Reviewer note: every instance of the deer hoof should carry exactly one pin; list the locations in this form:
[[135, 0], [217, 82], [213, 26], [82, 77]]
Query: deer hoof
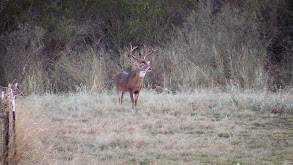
[[135, 110]]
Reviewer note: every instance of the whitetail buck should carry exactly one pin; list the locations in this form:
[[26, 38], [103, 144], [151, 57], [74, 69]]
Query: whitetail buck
[[133, 82]]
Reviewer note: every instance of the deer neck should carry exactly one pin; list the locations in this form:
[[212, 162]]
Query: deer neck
[[138, 75]]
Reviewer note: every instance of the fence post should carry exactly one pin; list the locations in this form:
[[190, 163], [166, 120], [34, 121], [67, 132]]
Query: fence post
[[11, 118], [4, 136], [7, 126]]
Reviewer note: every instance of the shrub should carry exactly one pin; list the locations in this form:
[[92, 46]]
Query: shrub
[[22, 61], [220, 48], [77, 70]]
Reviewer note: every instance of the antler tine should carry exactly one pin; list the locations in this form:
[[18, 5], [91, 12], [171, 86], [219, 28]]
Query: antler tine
[[145, 49], [131, 50], [147, 53]]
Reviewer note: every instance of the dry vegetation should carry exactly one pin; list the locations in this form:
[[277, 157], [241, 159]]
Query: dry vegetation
[[200, 127], [65, 55], [217, 44]]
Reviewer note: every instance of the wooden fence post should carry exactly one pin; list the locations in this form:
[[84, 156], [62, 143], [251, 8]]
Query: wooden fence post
[[11, 118], [12, 146], [7, 126], [2, 96], [4, 136]]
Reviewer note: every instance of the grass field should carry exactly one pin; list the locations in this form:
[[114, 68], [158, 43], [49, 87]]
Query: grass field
[[200, 127]]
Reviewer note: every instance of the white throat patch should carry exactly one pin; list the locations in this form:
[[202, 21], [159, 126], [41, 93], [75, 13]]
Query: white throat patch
[[142, 73]]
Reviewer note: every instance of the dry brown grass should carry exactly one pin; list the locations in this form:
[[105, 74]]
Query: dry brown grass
[[201, 127]]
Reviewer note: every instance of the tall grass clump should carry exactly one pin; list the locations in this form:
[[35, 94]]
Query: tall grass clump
[[218, 46], [91, 69], [24, 61]]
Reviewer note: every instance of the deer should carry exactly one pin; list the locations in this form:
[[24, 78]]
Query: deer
[[133, 82]]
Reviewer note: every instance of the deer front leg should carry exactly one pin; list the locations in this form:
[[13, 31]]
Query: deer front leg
[[132, 99], [136, 97]]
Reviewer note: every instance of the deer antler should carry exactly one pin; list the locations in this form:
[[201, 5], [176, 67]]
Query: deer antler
[[147, 53], [131, 50]]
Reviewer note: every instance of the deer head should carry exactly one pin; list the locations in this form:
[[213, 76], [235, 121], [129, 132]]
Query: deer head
[[142, 64]]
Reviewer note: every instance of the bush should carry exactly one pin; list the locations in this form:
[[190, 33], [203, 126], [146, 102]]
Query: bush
[[23, 58], [220, 48], [90, 70]]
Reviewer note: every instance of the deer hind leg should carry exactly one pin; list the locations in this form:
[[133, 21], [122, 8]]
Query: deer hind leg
[[121, 98], [118, 93]]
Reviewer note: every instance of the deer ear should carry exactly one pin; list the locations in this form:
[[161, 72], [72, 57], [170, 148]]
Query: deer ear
[[148, 62]]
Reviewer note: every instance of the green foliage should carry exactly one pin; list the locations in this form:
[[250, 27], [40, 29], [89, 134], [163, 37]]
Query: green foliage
[[140, 17], [59, 34], [121, 21], [57, 21], [280, 49], [13, 12]]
